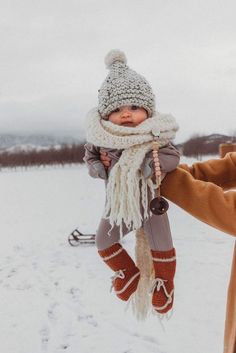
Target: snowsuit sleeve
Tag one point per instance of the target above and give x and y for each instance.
(204, 199)
(169, 159)
(92, 159)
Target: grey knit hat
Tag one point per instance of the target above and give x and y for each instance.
(123, 86)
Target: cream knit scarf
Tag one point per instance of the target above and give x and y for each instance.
(127, 189)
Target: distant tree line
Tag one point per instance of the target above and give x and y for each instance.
(67, 154)
(195, 146)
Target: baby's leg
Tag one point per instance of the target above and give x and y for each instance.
(104, 239)
(126, 277)
(157, 229)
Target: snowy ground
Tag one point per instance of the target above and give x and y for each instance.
(55, 298)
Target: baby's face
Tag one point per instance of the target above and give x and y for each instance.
(128, 115)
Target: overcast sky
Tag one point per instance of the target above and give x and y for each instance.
(52, 60)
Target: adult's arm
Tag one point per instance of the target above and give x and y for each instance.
(221, 172)
(203, 200)
(230, 321)
(209, 203)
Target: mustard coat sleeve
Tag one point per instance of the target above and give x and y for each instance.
(199, 190)
(204, 200)
(230, 320)
(221, 172)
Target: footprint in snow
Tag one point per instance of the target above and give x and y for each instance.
(51, 312)
(75, 294)
(64, 346)
(89, 319)
(45, 336)
(12, 273)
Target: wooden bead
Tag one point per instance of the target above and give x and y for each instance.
(155, 145)
(156, 161)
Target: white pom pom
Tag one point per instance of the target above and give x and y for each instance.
(113, 56)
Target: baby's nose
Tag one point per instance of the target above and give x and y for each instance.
(126, 113)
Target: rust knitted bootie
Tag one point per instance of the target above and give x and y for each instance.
(126, 277)
(164, 263)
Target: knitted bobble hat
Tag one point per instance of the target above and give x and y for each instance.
(123, 86)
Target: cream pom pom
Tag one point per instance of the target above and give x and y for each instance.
(113, 56)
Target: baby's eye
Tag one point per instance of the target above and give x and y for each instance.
(116, 110)
(134, 107)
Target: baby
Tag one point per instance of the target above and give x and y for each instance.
(120, 137)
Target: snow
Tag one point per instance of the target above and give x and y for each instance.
(55, 298)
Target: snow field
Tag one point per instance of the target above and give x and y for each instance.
(55, 298)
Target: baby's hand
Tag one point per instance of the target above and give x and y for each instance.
(106, 161)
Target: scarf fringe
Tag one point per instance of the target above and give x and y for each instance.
(127, 190)
(141, 302)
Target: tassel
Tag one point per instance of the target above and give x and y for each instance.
(141, 302)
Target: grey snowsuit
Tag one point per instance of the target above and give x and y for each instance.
(156, 228)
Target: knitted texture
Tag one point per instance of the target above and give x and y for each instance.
(164, 264)
(141, 301)
(126, 186)
(126, 281)
(123, 86)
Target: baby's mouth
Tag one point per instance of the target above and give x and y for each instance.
(128, 124)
